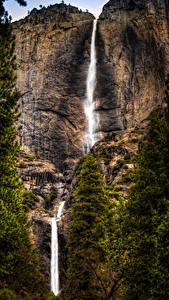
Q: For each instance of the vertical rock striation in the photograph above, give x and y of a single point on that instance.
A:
(52, 48)
(53, 53)
(133, 59)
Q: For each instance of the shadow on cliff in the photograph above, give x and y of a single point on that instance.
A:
(66, 74)
(107, 90)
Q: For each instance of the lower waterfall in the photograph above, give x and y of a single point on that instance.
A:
(54, 251)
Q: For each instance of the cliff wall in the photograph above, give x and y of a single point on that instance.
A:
(53, 47)
(52, 50)
(133, 60)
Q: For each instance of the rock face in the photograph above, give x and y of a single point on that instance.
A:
(52, 49)
(41, 233)
(43, 180)
(133, 60)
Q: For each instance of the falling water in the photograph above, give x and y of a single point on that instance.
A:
(54, 252)
(89, 106)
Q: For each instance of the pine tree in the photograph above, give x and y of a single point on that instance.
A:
(2, 10)
(145, 225)
(87, 273)
(19, 271)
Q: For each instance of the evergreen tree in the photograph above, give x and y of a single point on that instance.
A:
(87, 275)
(146, 223)
(2, 10)
(19, 271)
(6, 294)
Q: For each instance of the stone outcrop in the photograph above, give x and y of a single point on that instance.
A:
(52, 50)
(40, 178)
(133, 60)
(41, 235)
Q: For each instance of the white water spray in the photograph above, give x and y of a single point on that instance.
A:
(89, 107)
(54, 252)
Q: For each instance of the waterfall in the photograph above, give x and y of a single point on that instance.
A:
(54, 251)
(89, 107)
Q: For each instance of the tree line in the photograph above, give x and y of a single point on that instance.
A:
(120, 248)
(117, 248)
(20, 276)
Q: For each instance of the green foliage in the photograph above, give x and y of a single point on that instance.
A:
(127, 177)
(25, 155)
(160, 269)
(106, 156)
(90, 274)
(51, 296)
(29, 157)
(37, 156)
(6, 294)
(12, 218)
(29, 200)
(145, 222)
(22, 165)
(50, 198)
(19, 267)
(2, 10)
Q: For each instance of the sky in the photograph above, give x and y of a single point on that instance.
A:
(17, 12)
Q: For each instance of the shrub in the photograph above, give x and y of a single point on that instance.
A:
(29, 157)
(30, 199)
(50, 198)
(6, 294)
(22, 165)
(37, 156)
(127, 178)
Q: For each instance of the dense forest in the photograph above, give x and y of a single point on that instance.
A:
(117, 248)
(118, 244)
(20, 277)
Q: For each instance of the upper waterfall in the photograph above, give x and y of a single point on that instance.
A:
(89, 107)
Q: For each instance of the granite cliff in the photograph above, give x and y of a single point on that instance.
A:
(133, 61)
(52, 56)
(52, 48)
(52, 51)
